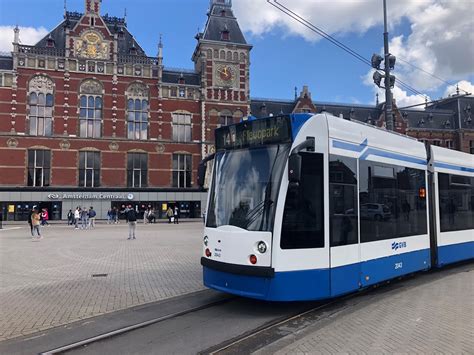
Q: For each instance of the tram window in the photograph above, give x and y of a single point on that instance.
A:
(342, 200)
(303, 217)
(456, 202)
(391, 205)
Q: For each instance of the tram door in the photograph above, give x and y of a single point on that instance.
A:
(343, 225)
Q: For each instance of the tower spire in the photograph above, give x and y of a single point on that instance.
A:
(160, 47)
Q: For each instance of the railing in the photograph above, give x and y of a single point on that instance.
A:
(137, 59)
(50, 51)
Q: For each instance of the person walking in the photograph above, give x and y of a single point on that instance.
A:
(109, 216)
(169, 213)
(176, 215)
(29, 220)
(131, 216)
(44, 217)
(70, 218)
(84, 217)
(35, 222)
(91, 216)
(77, 216)
(115, 215)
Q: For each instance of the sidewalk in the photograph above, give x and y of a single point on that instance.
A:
(435, 316)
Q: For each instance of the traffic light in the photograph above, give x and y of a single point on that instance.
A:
(378, 78)
(376, 61)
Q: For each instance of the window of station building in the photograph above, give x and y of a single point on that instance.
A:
(181, 127)
(303, 216)
(137, 169)
(449, 144)
(456, 202)
(182, 170)
(90, 109)
(471, 147)
(39, 167)
(226, 118)
(41, 114)
(343, 210)
(392, 201)
(90, 116)
(40, 104)
(89, 169)
(137, 119)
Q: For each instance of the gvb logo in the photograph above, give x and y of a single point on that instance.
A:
(398, 245)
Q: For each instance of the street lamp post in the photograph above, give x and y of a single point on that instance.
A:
(388, 92)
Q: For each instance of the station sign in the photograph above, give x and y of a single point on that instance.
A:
(90, 196)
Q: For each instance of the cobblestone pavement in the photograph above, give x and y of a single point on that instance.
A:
(434, 317)
(48, 283)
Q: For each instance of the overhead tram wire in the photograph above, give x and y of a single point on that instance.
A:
(334, 41)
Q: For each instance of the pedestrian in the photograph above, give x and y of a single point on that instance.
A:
(84, 216)
(115, 215)
(70, 218)
(91, 216)
(44, 217)
(151, 216)
(169, 213)
(77, 216)
(176, 215)
(131, 217)
(146, 213)
(29, 220)
(109, 216)
(35, 222)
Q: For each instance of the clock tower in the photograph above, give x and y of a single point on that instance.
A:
(221, 58)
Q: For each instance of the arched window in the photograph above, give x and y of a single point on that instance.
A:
(40, 102)
(225, 118)
(137, 111)
(90, 109)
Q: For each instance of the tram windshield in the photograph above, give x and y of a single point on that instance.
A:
(245, 187)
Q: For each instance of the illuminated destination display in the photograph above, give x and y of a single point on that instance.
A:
(269, 130)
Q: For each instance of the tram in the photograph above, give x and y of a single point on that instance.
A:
(308, 207)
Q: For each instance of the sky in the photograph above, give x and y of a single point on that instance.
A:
(436, 36)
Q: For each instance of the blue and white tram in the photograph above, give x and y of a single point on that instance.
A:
(306, 207)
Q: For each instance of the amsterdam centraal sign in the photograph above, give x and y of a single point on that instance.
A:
(90, 196)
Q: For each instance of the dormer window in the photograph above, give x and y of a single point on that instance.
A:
(225, 34)
(133, 49)
(120, 33)
(181, 81)
(223, 13)
(50, 42)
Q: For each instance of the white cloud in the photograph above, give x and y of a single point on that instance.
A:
(28, 35)
(464, 87)
(440, 40)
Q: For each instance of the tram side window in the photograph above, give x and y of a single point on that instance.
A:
(392, 201)
(343, 200)
(456, 202)
(303, 217)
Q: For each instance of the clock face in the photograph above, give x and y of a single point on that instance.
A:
(225, 72)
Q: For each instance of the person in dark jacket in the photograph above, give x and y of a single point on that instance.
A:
(132, 222)
(29, 220)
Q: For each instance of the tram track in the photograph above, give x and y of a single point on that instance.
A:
(123, 330)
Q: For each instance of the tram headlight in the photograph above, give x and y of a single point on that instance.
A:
(261, 247)
(206, 240)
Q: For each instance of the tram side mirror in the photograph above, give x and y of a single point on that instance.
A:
(201, 173)
(294, 169)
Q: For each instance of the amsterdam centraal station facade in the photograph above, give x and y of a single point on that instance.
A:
(88, 119)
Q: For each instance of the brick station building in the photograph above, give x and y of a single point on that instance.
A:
(88, 119)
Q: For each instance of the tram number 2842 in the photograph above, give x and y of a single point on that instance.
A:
(398, 265)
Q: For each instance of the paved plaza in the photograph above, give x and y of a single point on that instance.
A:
(50, 282)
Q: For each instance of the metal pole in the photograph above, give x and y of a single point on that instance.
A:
(388, 93)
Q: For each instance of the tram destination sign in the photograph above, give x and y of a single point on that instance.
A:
(253, 133)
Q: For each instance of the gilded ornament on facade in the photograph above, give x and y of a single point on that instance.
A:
(113, 146)
(12, 143)
(64, 144)
(90, 45)
(160, 148)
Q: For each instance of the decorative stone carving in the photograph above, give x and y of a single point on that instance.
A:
(12, 143)
(41, 83)
(65, 144)
(160, 148)
(113, 146)
(212, 149)
(138, 90)
(91, 87)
